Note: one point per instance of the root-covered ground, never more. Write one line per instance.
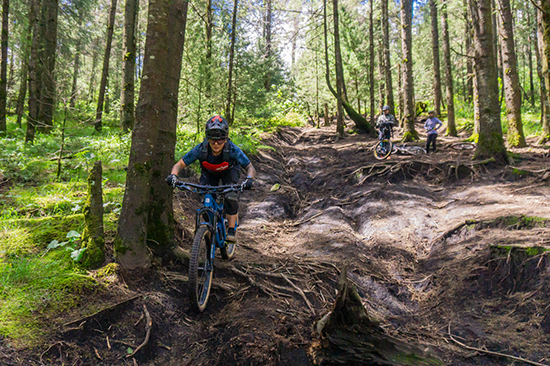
(448, 254)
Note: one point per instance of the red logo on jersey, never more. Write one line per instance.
(216, 167)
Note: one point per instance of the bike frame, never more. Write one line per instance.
(217, 224)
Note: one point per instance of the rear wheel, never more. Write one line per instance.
(383, 149)
(201, 268)
(415, 150)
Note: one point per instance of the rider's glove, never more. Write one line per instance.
(248, 182)
(171, 180)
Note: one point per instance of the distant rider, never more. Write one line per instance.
(220, 159)
(385, 120)
(432, 125)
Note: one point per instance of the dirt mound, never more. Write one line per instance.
(436, 245)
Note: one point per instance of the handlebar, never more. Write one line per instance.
(197, 188)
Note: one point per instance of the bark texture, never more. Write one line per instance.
(34, 72)
(449, 90)
(46, 55)
(371, 63)
(386, 55)
(409, 113)
(544, 103)
(4, 65)
(148, 164)
(512, 91)
(490, 143)
(105, 72)
(340, 87)
(545, 59)
(93, 236)
(347, 335)
(128, 65)
(231, 60)
(435, 53)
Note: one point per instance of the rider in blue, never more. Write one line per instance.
(432, 125)
(220, 159)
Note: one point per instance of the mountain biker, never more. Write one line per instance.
(432, 125)
(385, 120)
(220, 159)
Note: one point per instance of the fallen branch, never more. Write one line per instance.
(493, 353)
(100, 311)
(148, 325)
(309, 219)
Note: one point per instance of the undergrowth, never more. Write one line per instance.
(39, 205)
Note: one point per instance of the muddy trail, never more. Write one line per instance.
(449, 255)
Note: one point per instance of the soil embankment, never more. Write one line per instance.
(442, 251)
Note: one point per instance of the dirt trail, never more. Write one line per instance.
(435, 245)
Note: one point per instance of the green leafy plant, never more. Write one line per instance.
(70, 245)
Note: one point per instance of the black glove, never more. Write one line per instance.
(248, 182)
(171, 180)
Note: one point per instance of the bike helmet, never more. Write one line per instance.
(386, 108)
(431, 112)
(217, 128)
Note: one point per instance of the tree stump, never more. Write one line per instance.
(92, 237)
(347, 335)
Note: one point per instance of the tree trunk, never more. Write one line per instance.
(93, 236)
(149, 161)
(469, 63)
(386, 55)
(268, 20)
(530, 58)
(208, 55)
(490, 142)
(95, 56)
(21, 95)
(511, 85)
(360, 121)
(409, 113)
(381, 78)
(231, 59)
(131, 10)
(34, 72)
(451, 125)
(348, 335)
(371, 63)
(327, 121)
(544, 103)
(76, 69)
(340, 89)
(46, 55)
(4, 65)
(545, 59)
(105, 71)
(435, 52)
(400, 93)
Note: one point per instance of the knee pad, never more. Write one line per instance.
(231, 203)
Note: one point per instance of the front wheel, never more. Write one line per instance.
(201, 267)
(383, 149)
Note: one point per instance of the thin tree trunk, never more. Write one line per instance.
(4, 65)
(449, 92)
(76, 68)
(22, 94)
(435, 52)
(545, 59)
(512, 89)
(386, 55)
(409, 113)
(400, 93)
(95, 55)
(208, 56)
(340, 91)
(268, 20)
(156, 109)
(530, 60)
(131, 10)
(34, 72)
(47, 55)
(357, 91)
(469, 63)
(231, 60)
(381, 78)
(105, 72)
(490, 142)
(544, 105)
(371, 62)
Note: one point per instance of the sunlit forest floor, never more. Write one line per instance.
(442, 250)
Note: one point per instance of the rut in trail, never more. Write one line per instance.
(430, 251)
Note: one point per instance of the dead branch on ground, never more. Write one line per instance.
(148, 325)
(108, 308)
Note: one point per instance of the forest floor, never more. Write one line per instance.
(444, 252)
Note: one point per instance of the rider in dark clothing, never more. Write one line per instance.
(221, 160)
(385, 119)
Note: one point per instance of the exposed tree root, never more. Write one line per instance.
(349, 336)
(148, 326)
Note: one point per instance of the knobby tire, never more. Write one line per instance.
(381, 155)
(200, 273)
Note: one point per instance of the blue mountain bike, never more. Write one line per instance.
(210, 233)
